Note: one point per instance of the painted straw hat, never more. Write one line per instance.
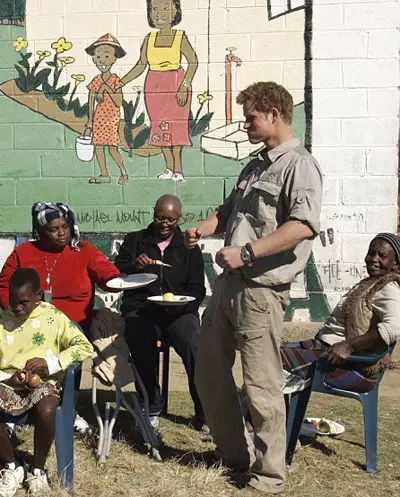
(107, 39)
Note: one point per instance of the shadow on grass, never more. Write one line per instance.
(126, 428)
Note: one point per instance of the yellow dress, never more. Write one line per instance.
(169, 121)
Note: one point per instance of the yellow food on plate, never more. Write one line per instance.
(168, 297)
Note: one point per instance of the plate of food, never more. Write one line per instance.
(131, 281)
(171, 299)
(326, 427)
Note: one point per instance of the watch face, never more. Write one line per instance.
(245, 254)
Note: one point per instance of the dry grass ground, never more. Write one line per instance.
(329, 467)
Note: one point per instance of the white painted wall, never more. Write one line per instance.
(355, 77)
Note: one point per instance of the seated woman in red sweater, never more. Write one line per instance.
(68, 267)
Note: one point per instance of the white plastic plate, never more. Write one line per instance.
(131, 281)
(335, 427)
(178, 300)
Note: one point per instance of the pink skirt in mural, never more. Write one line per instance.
(169, 121)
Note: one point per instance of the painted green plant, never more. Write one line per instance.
(29, 78)
(197, 124)
(140, 138)
(58, 93)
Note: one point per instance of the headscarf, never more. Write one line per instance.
(393, 240)
(44, 212)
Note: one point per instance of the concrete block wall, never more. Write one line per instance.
(355, 77)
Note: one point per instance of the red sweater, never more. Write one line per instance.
(73, 277)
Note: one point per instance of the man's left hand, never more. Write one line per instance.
(339, 352)
(229, 258)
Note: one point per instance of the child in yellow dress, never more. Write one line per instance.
(37, 342)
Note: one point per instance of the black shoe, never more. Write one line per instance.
(199, 424)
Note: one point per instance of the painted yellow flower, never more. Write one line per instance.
(66, 60)
(20, 43)
(203, 97)
(79, 78)
(43, 54)
(61, 45)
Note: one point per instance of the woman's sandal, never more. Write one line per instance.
(122, 179)
(100, 179)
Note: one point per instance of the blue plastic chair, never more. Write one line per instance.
(64, 435)
(369, 401)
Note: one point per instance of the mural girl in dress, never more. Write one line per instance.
(167, 87)
(103, 122)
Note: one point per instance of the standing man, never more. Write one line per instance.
(269, 220)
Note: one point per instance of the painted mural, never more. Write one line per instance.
(108, 119)
(180, 115)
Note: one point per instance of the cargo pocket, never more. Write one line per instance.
(249, 337)
(257, 299)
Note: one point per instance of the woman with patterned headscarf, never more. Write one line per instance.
(366, 321)
(68, 267)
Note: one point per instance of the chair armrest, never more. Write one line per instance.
(364, 358)
(68, 395)
(369, 358)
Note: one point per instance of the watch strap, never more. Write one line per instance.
(251, 251)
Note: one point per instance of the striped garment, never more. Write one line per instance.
(298, 356)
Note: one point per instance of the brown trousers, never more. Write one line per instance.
(244, 316)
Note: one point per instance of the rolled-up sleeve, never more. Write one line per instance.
(303, 190)
(386, 306)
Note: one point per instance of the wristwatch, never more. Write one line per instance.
(246, 256)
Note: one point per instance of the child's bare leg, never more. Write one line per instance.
(45, 414)
(7, 454)
(101, 159)
(114, 152)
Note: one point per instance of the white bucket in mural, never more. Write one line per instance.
(84, 148)
(229, 141)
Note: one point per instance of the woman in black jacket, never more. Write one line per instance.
(147, 322)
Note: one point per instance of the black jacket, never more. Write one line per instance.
(185, 277)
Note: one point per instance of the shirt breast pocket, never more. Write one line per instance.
(265, 199)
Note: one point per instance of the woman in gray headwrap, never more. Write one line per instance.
(366, 321)
(68, 267)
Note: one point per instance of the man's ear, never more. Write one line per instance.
(275, 114)
(39, 295)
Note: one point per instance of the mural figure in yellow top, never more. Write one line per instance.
(105, 100)
(167, 87)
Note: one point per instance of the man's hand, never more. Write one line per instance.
(192, 236)
(229, 258)
(339, 352)
(142, 261)
(36, 365)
